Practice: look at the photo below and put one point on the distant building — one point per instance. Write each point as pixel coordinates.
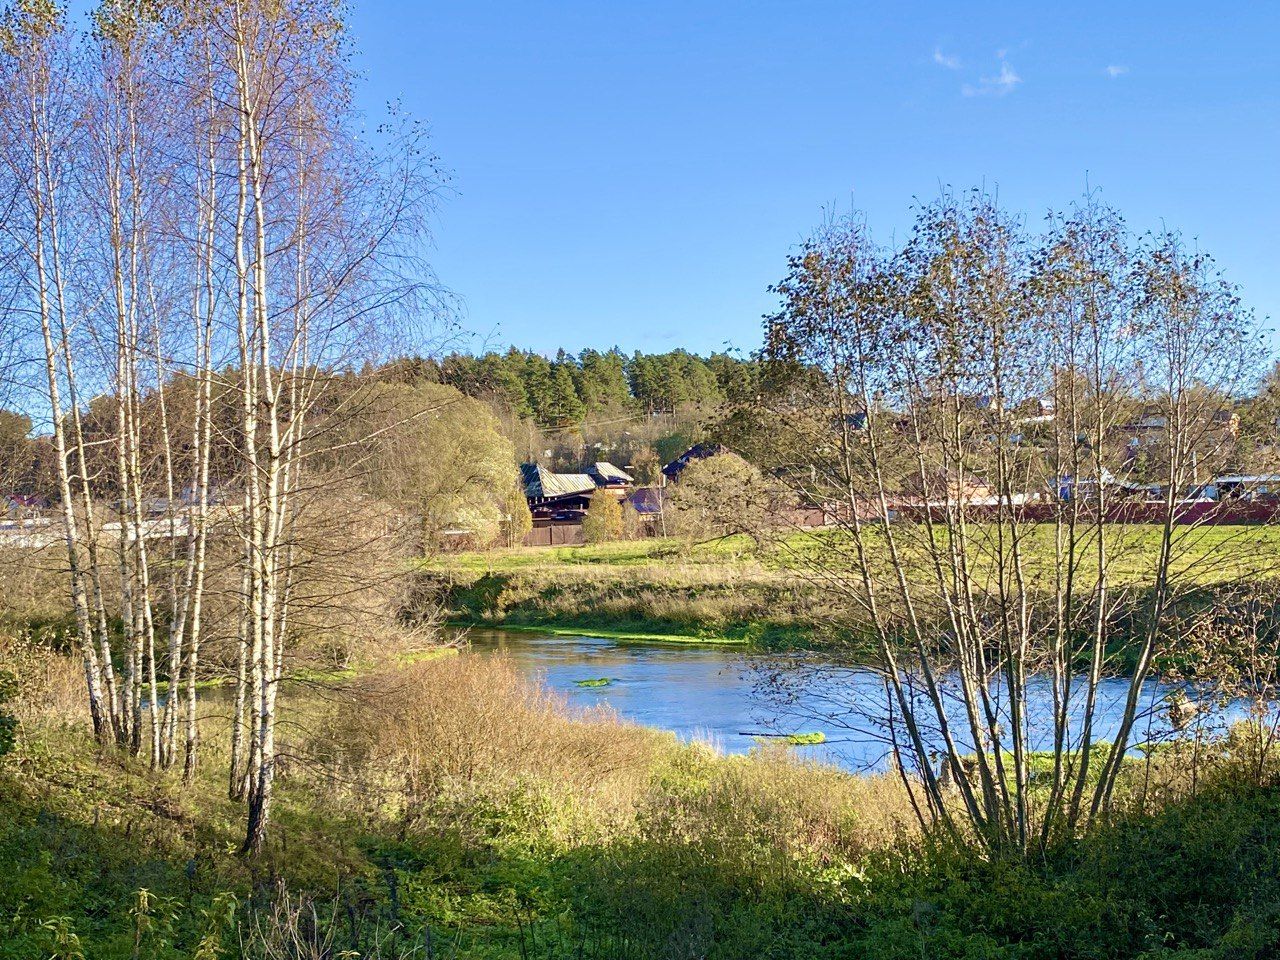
(856, 422)
(953, 487)
(556, 496)
(606, 475)
(1036, 410)
(1245, 487)
(566, 497)
(648, 504)
(647, 501)
(18, 506)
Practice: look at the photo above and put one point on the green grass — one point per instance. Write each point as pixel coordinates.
(806, 739)
(624, 553)
(793, 739)
(596, 682)
(1204, 554)
(730, 590)
(647, 591)
(724, 858)
(607, 633)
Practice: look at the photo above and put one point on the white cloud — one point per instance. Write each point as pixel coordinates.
(1006, 81)
(950, 61)
(1116, 70)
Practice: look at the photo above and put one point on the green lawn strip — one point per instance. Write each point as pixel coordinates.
(606, 633)
(806, 739)
(724, 592)
(209, 683)
(811, 739)
(737, 549)
(1204, 554)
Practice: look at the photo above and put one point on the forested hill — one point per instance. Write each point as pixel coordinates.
(570, 389)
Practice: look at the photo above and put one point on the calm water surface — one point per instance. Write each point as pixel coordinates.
(730, 698)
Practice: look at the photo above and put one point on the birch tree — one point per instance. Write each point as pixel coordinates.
(38, 142)
(325, 239)
(239, 248)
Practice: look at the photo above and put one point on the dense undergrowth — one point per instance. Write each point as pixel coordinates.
(451, 809)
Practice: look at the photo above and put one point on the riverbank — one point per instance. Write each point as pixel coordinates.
(767, 596)
(605, 633)
(646, 591)
(454, 804)
(450, 800)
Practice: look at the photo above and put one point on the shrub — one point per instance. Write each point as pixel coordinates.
(720, 496)
(39, 685)
(8, 722)
(603, 522)
(447, 737)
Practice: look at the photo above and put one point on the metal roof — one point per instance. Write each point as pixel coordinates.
(699, 451)
(540, 482)
(646, 500)
(606, 471)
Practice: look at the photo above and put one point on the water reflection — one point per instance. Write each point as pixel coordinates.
(730, 698)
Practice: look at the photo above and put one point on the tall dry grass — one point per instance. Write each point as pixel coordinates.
(33, 587)
(50, 685)
(449, 739)
(469, 743)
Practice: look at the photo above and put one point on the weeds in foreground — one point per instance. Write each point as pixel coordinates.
(450, 809)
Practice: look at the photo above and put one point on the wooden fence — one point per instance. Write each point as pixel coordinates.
(555, 535)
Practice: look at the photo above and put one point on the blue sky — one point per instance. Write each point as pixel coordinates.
(636, 174)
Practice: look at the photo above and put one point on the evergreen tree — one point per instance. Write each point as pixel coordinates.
(737, 379)
(566, 406)
(503, 378)
(645, 377)
(540, 387)
(602, 382)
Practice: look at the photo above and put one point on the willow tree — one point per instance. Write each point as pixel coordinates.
(964, 408)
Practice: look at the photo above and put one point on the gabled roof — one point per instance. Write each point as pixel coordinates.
(540, 482)
(646, 501)
(605, 472)
(22, 499)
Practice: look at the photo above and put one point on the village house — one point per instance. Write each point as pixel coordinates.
(609, 477)
(18, 506)
(566, 497)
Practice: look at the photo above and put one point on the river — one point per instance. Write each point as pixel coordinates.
(731, 699)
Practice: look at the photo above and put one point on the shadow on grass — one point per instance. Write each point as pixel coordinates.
(1200, 880)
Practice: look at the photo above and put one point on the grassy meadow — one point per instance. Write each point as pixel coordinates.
(735, 589)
